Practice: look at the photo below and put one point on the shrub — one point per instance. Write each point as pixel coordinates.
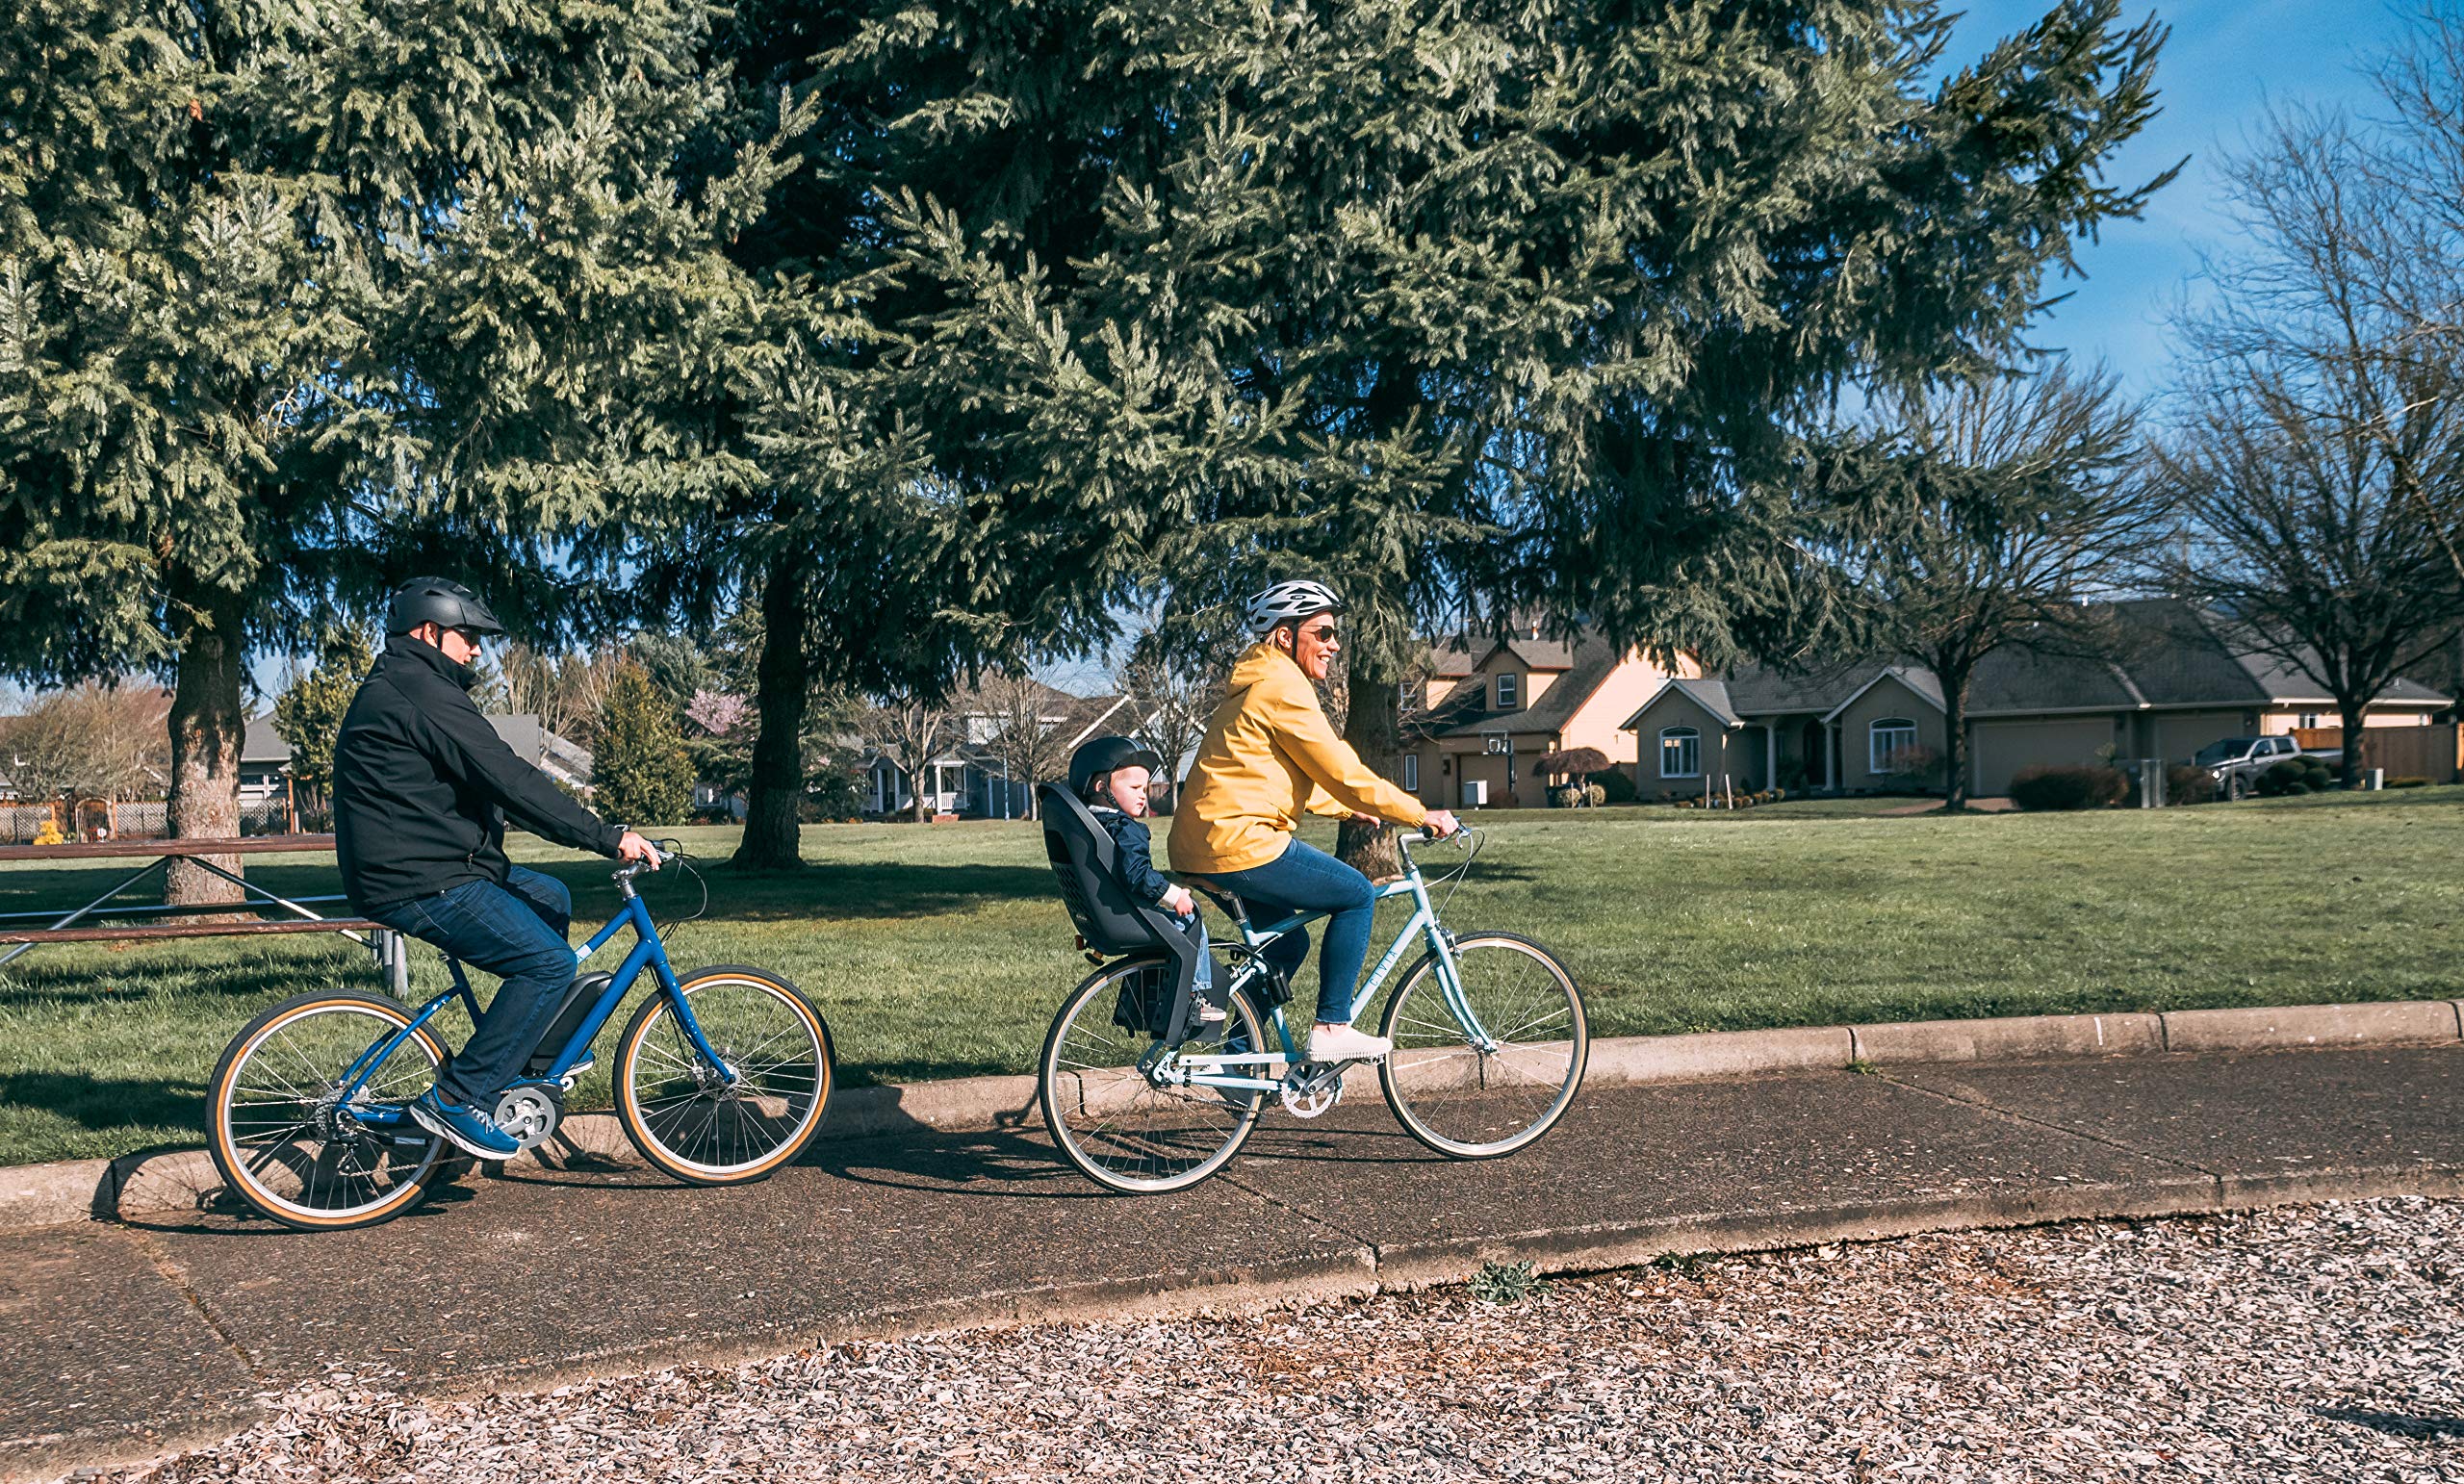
(1594, 795)
(1616, 785)
(2295, 776)
(2095, 787)
(2408, 781)
(1566, 798)
(2186, 785)
(1912, 770)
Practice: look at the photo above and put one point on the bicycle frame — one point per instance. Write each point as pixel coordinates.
(1422, 925)
(647, 951)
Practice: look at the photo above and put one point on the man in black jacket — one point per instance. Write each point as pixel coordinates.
(422, 787)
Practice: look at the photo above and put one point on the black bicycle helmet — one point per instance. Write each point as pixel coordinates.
(1104, 755)
(442, 602)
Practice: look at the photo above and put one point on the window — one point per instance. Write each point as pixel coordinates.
(1411, 773)
(1681, 753)
(1887, 737)
(1509, 692)
(2307, 719)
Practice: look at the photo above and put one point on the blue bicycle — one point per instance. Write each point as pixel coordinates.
(1490, 1038)
(721, 1077)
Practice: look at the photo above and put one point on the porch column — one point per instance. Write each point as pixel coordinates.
(1830, 758)
(1770, 755)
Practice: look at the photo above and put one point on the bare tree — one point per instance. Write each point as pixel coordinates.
(93, 741)
(2319, 459)
(1173, 701)
(910, 733)
(1023, 720)
(1988, 515)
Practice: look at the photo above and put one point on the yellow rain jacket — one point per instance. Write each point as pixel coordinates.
(1270, 755)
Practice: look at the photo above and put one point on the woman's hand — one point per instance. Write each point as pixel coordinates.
(1440, 824)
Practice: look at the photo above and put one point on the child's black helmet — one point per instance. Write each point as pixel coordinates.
(1105, 754)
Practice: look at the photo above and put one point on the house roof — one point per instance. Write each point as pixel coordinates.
(2158, 652)
(263, 746)
(1463, 711)
(1712, 696)
(1919, 682)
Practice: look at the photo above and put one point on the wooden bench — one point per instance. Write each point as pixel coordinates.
(387, 945)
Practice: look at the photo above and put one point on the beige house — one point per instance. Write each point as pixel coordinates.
(2166, 683)
(1491, 707)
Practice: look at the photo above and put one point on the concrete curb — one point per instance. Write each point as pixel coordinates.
(34, 1195)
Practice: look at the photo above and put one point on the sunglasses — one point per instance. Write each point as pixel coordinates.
(1323, 633)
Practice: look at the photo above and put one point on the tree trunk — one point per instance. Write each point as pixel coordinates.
(208, 727)
(2353, 714)
(1372, 726)
(773, 793)
(1955, 779)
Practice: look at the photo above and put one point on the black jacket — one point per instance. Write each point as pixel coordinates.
(423, 785)
(1133, 854)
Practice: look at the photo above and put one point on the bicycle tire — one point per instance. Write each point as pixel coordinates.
(1443, 1087)
(228, 1133)
(800, 1091)
(1110, 1123)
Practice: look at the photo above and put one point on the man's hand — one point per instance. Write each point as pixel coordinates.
(633, 848)
(1179, 899)
(1440, 824)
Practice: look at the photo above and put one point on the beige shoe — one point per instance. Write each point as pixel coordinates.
(1347, 1043)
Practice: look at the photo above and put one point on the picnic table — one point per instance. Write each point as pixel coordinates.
(388, 946)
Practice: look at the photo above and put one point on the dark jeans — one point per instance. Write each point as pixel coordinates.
(516, 931)
(1305, 878)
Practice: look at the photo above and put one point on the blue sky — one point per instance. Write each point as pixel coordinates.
(2225, 61)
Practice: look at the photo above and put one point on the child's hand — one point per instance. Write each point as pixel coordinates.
(1178, 899)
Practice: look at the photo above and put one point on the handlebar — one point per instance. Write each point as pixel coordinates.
(661, 851)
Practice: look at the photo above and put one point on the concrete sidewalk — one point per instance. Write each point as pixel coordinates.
(127, 1340)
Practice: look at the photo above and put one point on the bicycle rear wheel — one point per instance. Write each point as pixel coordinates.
(291, 1146)
(1488, 1089)
(678, 1109)
(1116, 1126)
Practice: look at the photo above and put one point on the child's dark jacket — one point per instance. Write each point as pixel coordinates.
(1133, 854)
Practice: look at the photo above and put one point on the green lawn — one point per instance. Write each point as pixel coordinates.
(940, 951)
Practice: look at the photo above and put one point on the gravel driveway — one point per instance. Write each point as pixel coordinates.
(2315, 1343)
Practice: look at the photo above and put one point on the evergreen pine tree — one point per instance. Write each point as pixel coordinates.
(639, 772)
(309, 714)
(294, 300)
(1532, 302)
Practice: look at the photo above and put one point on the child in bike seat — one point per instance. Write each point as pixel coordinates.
(1109, 776)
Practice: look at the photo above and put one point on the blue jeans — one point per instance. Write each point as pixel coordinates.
(516, 931)
(1305, 878)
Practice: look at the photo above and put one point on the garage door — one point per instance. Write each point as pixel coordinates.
(2004, 748)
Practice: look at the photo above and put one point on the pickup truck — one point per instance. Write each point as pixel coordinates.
(2246, 757)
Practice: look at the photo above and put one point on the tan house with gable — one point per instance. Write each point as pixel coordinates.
(1490, 707)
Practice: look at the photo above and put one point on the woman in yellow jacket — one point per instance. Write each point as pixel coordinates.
(1271, 754)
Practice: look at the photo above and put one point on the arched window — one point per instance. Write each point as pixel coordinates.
(1886, 739)
(1681, 753)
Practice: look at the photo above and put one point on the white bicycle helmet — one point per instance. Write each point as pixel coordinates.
(1289, 601)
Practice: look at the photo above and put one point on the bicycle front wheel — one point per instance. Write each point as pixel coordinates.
(290, 1146)
(1113, 1123)
(683, 1114)
(1485, 1075)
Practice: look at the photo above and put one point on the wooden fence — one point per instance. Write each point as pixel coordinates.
(2433, 752)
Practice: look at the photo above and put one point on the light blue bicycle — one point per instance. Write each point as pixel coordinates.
(1489, 1031)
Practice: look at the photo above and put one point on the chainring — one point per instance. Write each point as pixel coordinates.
(1308, 1096)
(530, 1112)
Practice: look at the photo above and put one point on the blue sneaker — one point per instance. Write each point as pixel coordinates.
(467, 1129)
